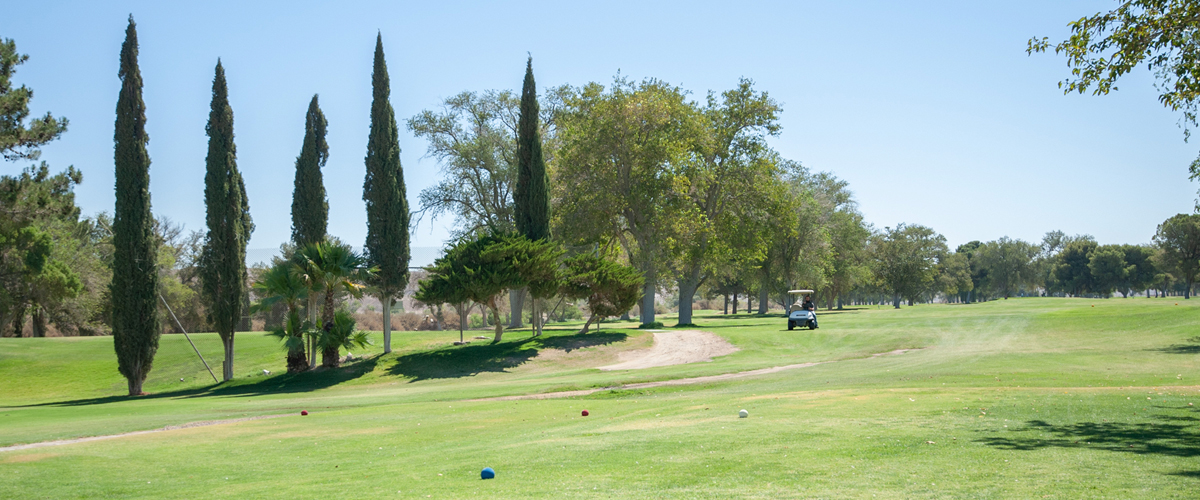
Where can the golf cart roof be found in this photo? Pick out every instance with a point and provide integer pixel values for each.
(797, 292)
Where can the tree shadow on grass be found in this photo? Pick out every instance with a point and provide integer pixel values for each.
(278, 384)
(463, 361)
(570, 343)
(469, 360)
(1179, 349)
(1168, 439)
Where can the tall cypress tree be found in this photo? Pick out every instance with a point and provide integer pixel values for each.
(310, 210)
(223, 259)
(531, 198)
(135, 275)
(387, 203)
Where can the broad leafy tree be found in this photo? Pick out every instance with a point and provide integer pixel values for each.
(609, 287)
(474, 139)
(310, 210)
(471, 270)
(1070, 269)
(1108, 268)
(729, 171)
(223, 263)
(619, 165)
(387, 248)
(19, 137)
(1179, 239)
(954, 276)
(135, 276)
(905, 260)
(536, 263)
(1009, 264)
(1142, 271)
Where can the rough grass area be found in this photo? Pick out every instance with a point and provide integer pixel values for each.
(1025, 398)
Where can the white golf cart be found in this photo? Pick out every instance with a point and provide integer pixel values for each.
(798, 315)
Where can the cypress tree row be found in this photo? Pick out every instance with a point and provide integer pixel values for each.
(531, 198)
(310, 210)
(387, 203)
(135, 275)
(223, 259)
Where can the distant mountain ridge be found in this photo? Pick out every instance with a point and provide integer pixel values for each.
(421, 256)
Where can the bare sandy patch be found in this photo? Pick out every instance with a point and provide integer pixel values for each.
(675, 347)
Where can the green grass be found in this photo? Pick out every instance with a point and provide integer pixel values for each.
(1025, 398)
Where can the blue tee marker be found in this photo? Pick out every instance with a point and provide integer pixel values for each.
(487, 473)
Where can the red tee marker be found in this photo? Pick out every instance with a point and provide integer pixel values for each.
(585, 413)
(304, 412)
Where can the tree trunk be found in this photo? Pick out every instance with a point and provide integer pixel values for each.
(535, 317)
(18, 322)
(725, 308)
(839, 302)
(387, 323)
(516, 304)
(297, 360)
(735, 302)
(648, 298)
(135, 384)
(227, 365)
(687, 292)
(37, 321)
(749, 303)
(896, 301)
(330, 357)
(496, 314)
(764, 299)
(312, 319)
(586, 325)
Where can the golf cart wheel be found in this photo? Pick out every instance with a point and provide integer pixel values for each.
(791, 325)
(812, 325)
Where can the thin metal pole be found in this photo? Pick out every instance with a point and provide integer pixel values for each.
(189, 339)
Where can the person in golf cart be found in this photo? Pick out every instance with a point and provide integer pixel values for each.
(802, 313)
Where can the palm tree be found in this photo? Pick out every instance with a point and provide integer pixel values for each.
(343, 334)
(330, 267)
(283, 283)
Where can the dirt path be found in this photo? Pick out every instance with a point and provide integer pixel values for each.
(135, 433)
(675, 347)
(678, 381)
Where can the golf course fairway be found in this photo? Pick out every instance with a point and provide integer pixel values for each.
(1020, 398)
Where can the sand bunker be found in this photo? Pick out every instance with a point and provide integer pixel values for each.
(675, 347)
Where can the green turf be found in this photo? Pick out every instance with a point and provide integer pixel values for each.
(1025, 398)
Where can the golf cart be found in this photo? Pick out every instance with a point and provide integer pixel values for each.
(798, 315)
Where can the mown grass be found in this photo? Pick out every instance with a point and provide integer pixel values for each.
(1029, 398)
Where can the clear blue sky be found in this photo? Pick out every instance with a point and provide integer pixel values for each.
(932, 110)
